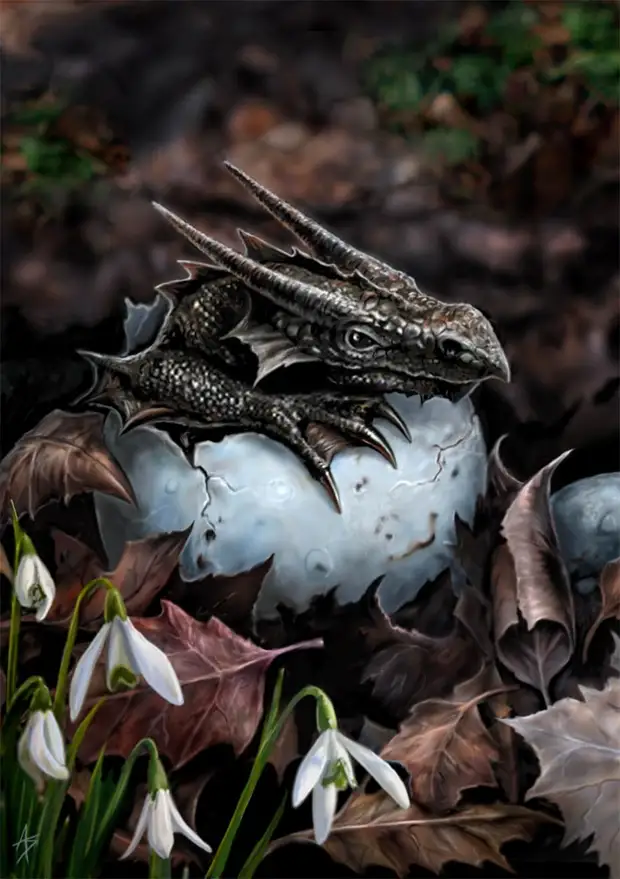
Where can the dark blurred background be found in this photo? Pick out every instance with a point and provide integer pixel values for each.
(474, 145)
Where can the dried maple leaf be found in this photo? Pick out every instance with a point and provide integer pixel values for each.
(370, 830)
(223, 680)
(609, 588)
(578, 748)
(62, 456)
(143, 570)
(532, 597)
(446, 747)
(407, 665)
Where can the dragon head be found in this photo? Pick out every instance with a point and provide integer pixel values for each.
(368, 323)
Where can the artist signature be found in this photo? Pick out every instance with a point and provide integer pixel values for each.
(25, 845)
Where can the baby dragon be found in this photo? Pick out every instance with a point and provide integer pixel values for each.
(360, 326)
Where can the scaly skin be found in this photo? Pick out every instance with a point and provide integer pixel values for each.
(368, 326)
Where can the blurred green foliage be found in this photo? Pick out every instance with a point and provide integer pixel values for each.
(51, 162)
(404, 82)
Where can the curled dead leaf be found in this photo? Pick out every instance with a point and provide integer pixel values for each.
(578, 747)
(64, 455)
(370, 830)
(143, 570)
(446, 747)
(609, 588)
(532, 598)
(500, 478)
(285, 749)
(223, 680)
(6, 569)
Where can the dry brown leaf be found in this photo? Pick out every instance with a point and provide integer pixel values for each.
(473, 612)
(143, 570)
(6, 569)
(578, 748)
(223, 680)
(446, 747)
(609, 588)
(285, 749)
(372, 831)
(532, 597)
(64, 455)
(407, 665)
(501, 479)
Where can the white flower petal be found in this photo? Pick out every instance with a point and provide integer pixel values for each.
(311, 769)
(160, 835)
(324, 800)
(118, 654)
(26, 572)
(41, 754)
(140, 828)
(45, 581)
(180, 826)
(53, 738)
(153, 664)
(83, 672)
(381, 771)
(24, 756)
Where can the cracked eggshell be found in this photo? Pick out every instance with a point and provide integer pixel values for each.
(249, 497)
(586, 514)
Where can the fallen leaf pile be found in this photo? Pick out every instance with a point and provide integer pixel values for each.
(443, 679)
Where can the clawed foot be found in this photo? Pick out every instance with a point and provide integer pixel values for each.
(317, 426)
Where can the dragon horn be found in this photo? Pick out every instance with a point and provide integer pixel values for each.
(325, 245)
(303, 299)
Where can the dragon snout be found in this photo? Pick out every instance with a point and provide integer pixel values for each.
(496, 364)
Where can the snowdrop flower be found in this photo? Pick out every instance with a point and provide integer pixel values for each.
(41, 749)
(34, 586)
(129, 656)
(327, 768)
(161, 819)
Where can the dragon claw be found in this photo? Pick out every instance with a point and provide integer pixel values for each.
(385, 410)
(329, 484)
(377, 441)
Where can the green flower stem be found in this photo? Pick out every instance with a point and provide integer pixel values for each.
(55, 797)
(109, 814)
(63, 673)
(159, 868)
(80, 732)
(11, 675)
(220, 858)
(258, 852)
(29, 684)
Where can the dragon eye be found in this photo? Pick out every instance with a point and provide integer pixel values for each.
(359, 340)
(451, 348)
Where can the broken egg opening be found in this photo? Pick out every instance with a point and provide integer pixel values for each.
(247, 497)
